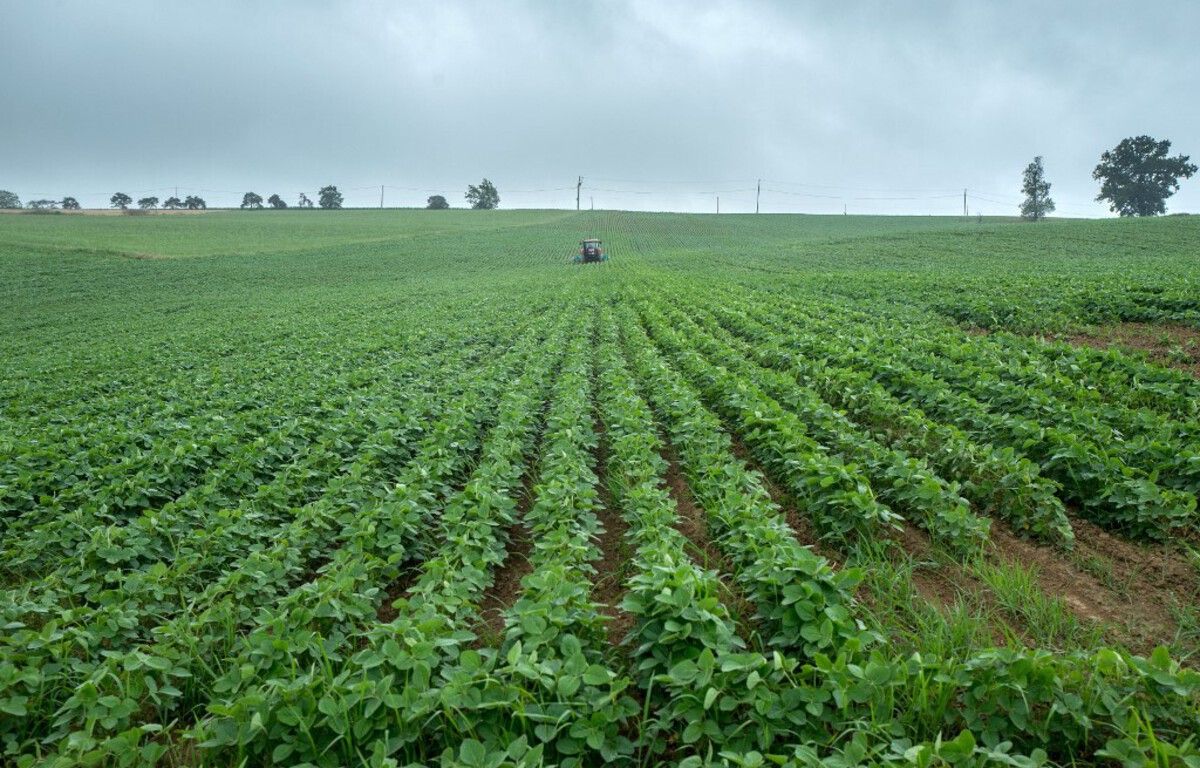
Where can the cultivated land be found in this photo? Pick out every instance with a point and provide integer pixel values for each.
(342, 488)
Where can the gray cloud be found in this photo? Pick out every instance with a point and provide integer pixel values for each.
(658, 105)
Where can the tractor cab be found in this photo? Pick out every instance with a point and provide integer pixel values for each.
(590, 251)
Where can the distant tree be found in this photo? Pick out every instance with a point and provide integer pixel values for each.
(329, 197)
(148, 203)
(1136, 177)
(437, 203)
(42, 205)
(1037, 204)
(9, 199)
(171, 203)
(120, 200)
(483, 197)
(304, 201)
(69, 204)
(251, 200)
(195, 203)
(275, 201)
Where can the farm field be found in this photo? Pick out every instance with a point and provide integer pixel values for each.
(407, 487)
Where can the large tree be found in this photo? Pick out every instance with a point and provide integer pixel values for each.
(42, 205)
(275, 201)
(251, 200)
(69, 204)
(195, 203)
(120, 200)
(1037, 204)
(484, 196)
(329, 198)
(1137, 176)
(436, 203)
(304, 201)
(171, 203)
(9, 199)
(148, 203)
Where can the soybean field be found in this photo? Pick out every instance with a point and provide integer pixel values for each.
(394, 488)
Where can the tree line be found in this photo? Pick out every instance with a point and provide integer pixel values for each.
(1136, 178)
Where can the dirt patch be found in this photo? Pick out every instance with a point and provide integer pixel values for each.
(612, 566)
(1146, 584)
(506, 581)
(1083, 594)
(1173, 346)
(940, 582)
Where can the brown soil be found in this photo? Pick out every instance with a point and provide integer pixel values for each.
(506, 581)
(1156, 341)
(1057, 576)
(1147, 582)
(692, 522)
(938, 580)
(398, 588)
(611, 567)
(1126, 588)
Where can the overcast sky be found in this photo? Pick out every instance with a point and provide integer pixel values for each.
(888, 107)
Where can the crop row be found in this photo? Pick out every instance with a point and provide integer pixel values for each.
(1108, 490)
(289, 589)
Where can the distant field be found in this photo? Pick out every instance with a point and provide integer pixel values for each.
(342, 488)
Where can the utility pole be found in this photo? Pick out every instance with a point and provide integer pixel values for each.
(757, 194)
(578, 187)
(965, 203)
(844, 210)
(718, 203)
(592, 200)
(381, 197)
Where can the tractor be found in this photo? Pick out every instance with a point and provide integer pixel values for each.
(590, 252)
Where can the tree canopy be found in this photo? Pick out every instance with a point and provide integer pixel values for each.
(171, 203)
(304, 201)
(1037, 203)
(436, 203)
(195, 203)
(120, 200)
(9, 199)
(148, 203)
(275, 201)
(69, 204)
(252, 200)
(484, 196)
(329, 198)
(1137, 176)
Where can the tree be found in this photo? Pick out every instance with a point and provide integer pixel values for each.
(304, 201)
(483, 197)
(329, 198)
(69, 204)
(42, 205)
(251, 200)
(148, 203)
(275, 201)
(195, 203)
(171, 203)
(1136, 177)
(1037, 204)
(120, 200)
(9, 199)
(437, 203)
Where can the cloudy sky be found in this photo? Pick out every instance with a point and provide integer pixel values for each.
(881, 107)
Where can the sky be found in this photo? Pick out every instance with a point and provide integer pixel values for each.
(862, 107)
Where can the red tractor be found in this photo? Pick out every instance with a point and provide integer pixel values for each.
(590, 252)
